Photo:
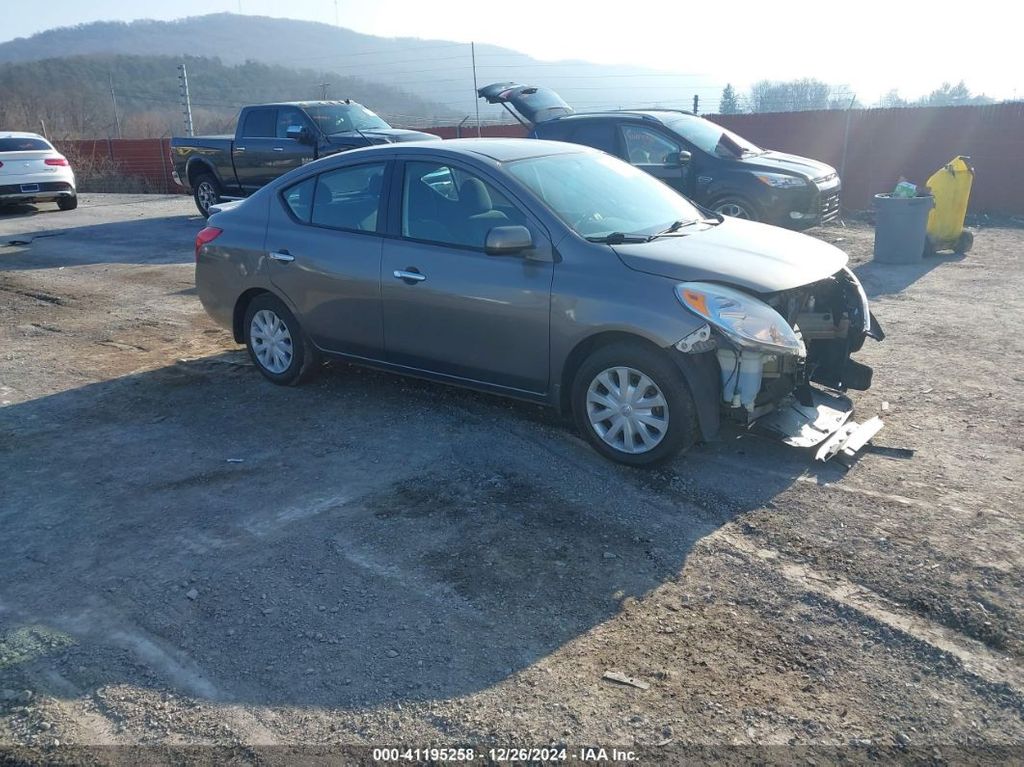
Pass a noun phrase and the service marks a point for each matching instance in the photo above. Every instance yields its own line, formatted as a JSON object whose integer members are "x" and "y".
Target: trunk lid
{"x": 534, "y": 104}
{"x": 748, "y": 255}
{"x": 26, "y": 162}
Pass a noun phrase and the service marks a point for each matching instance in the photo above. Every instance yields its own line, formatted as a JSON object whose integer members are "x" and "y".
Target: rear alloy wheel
{"x": 276, "y": 343}
{"x": 633, "y": 405}
{"x": 206, "y": 191}
{"x": 68, "y": 203}
{"x": 736, "y": 207}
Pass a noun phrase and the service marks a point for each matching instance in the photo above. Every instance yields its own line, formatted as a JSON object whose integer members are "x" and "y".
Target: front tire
{"x": 633, "y": 405}
{"x": 206, "y": 192}
{"x": 736, "y": 207}
{"x": 277, "y": 346}
{"x": 68, "y": 203}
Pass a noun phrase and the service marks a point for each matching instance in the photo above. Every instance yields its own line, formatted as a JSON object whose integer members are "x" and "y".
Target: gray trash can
{"x": 901, "y": 228}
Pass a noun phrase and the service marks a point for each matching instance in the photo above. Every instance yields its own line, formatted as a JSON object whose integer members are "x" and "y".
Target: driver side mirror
{"x": 508, "y": 240}
{"x": 299, "y": 133}
{"x": 677, "y": 159}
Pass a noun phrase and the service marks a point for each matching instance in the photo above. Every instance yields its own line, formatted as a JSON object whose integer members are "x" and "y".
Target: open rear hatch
{"x": 526, "y": 103}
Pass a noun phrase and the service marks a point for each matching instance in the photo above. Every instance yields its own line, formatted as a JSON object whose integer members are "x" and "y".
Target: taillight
{"x": 61, "y": 161}
{"x": 206, "y": 235}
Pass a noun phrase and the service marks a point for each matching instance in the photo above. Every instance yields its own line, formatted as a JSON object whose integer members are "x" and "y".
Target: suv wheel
{"x": 736, "y": 207}
{"x": 276, "y": 343}
{"x": 632, "y": 405}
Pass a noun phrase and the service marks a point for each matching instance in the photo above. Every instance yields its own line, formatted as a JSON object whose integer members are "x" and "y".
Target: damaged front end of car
{"x": 785, "y": 357}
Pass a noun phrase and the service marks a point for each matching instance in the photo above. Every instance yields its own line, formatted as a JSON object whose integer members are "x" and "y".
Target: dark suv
{"x": 709, "y": 164}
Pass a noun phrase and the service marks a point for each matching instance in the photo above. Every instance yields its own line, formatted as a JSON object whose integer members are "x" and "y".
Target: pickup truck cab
{"x": 272, "y": 139}
{"x": 710, "y": 165}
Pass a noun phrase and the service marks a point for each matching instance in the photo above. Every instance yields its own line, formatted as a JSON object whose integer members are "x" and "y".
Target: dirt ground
{"x": 192, "y": 556}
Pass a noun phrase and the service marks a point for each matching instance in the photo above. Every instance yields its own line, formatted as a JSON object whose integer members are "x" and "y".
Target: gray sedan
{"x": 543, "y": 271}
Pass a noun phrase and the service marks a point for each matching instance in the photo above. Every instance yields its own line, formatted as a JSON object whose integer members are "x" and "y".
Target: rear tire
{"x": 665, "y": 429}
{"x": 206, "y": 192}
{"x": 277, "y": 346}
{"x": 68, "y": 203}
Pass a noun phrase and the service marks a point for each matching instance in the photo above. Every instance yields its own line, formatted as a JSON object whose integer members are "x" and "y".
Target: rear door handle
{"x": 410, "y": 277}
{"x": 278, "y": 148}
{"x": 239, "y": 148}
{"x": 283, "y": 256}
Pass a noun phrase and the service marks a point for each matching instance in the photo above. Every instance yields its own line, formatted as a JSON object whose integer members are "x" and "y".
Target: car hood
{"x": 745, "y": 254}
{"x": 780, "y": 161}
{"x": 387, "y": 135}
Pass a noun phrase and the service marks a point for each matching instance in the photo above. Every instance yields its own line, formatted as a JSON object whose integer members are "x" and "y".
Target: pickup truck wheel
{"x": 633, "y": 405}
{"x": 276, "y": 343}
{"x": 206, "y": 191}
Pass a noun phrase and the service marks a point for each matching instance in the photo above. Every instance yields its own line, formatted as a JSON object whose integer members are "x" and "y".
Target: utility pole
{"x": 696, "y": 102}
{"x": 186, "y": 101}
{"x": 113, "y": 101}
{"x": 336, "y": 13}
{"x": 323, "y": 90}
{"x": 476, "y": 95}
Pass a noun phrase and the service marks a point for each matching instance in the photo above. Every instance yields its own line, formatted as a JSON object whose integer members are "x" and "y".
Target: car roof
{"x": 305, "y": 104}
{"x": 21, "y": 134}
{"x": 655, "y": 115}
{"x": 496, "y": 149}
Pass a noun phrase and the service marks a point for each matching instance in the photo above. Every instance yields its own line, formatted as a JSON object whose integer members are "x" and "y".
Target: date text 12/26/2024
{"x": 510, "y": 754}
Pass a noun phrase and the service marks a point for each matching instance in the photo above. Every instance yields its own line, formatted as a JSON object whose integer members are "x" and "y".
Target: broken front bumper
{"x": 824, "y": 423}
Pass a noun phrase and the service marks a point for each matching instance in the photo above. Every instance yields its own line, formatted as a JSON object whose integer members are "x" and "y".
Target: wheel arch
{"x": 241, "y": 306}
{"x": 699, "y": 371}
{"x": 195, "y": 167}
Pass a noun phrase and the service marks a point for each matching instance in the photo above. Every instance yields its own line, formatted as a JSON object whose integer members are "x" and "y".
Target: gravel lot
{"x": 191, "y": 555}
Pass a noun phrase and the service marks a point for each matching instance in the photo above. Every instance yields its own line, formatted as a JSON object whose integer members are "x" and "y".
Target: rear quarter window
{"x": 260, "y": 123}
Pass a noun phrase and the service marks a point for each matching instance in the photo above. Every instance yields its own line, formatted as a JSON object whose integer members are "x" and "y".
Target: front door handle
{"x": 283, "y": 256}
{"x": 409, "y": 276}
{"x": 278, "y": 148}
{"x": 239, "y": 148}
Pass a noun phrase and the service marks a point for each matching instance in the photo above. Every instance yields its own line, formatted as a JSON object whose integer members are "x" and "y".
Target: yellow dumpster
{"x": 951, "y": 187}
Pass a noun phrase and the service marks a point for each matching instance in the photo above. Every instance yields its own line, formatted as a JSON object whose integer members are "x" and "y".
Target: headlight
{"x": 747, "y": 322}
{"x": 780, "y": 180}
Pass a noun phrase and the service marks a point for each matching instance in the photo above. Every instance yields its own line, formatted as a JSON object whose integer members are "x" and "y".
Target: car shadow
{"x": 361, "y": 540}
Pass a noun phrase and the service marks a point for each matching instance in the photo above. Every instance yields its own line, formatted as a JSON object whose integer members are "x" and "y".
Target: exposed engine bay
{"x": 766, "y": 376}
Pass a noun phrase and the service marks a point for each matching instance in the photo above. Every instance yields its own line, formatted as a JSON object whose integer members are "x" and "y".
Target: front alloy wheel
{"x": 734, "y": 207}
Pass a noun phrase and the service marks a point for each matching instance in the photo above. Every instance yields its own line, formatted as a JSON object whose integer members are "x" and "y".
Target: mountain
{"x": 74, "y": 96}
{"x": 437, "y": 71}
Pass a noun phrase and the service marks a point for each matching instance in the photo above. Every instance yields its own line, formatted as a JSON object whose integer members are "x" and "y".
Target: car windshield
{"x": 26, "y": 144}
{"x": 344, "y": 118}
{"x": 597, "y": 195}
{"x": 711, "y": 138}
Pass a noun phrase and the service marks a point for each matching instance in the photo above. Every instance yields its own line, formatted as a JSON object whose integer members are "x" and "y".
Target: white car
{"x": 31, "y": 170}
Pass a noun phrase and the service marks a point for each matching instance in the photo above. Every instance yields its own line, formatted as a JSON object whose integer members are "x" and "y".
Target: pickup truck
{"x": 272, "y": 139}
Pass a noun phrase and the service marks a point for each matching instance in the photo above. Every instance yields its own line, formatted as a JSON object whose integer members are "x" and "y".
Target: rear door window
{"x": 260, "y": 123}
{"x": 349, "y": 198}
{"x": 299, "y": 198}
{"x": 599, "y": 134}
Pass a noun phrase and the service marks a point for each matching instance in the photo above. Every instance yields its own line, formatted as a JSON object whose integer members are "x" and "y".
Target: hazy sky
{"x": 872, "y": 46}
